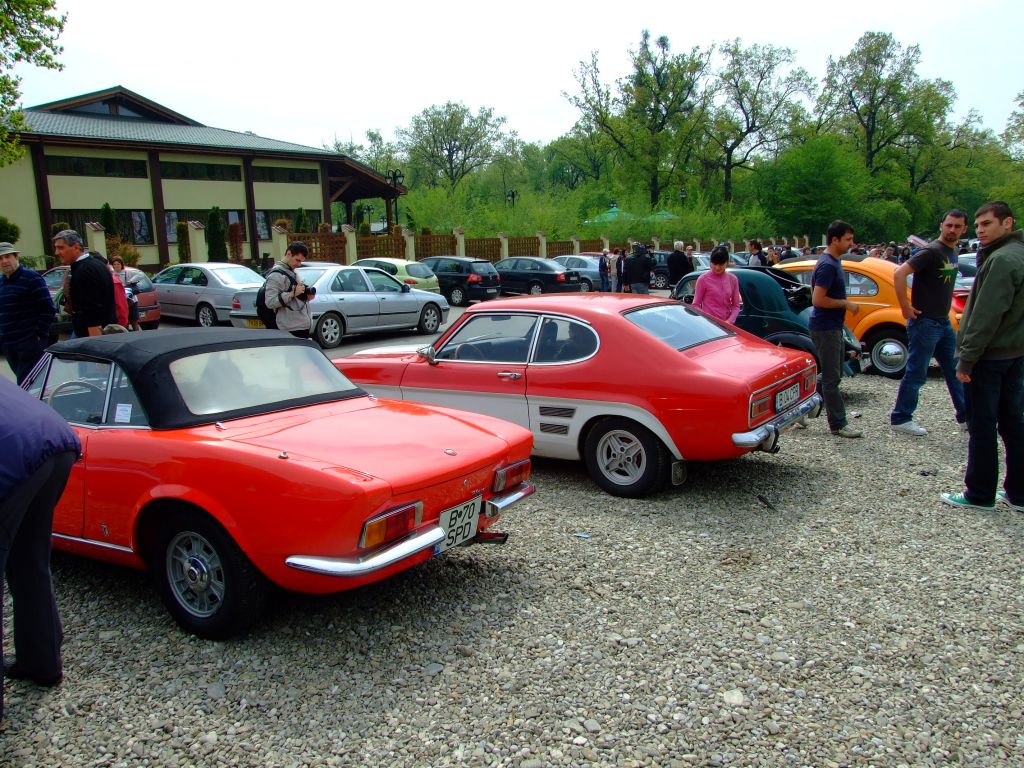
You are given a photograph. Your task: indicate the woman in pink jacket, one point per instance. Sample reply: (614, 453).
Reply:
(718, 292)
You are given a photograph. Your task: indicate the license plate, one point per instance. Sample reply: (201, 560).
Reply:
(255, 323)
(786, 398)
(491, 291)
(459, 524)
(573, 279)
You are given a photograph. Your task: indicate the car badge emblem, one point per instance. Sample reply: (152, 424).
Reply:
(451, 452)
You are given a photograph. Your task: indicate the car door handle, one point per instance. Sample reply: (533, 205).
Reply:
(509, 375)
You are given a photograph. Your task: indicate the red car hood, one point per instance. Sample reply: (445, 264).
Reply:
(741, 359)
(372, 437)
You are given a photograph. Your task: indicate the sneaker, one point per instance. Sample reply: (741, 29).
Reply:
(847, 431)
(910, 428)
(1002, 498)
(959, 500)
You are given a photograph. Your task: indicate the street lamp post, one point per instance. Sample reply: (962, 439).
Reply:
(395, 178)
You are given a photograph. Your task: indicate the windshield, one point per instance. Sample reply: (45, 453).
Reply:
(677, 325)
(238, 276)
(234, 379)
(310, 275)
(482, 268)
(419, 270)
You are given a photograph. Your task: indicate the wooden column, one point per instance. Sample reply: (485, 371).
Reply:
(156, 185)
(325, 190)
(250, 210)
(42, 196)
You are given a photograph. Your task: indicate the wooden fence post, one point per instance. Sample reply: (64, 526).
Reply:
(460, 241)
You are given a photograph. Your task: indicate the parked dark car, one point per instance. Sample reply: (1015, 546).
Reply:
(534, 275)
(464, 279)
(659, 274)
(775, 308)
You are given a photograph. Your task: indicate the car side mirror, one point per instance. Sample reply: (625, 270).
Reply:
(688, 298)
(428, 354)
(406, 287)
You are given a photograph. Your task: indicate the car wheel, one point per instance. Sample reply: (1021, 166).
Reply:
(329, 331)
(660, 281)
(586, 286)
(535, 289)
(151, 326)
(625, 458)
(888, 352)
(430, 319)
(457, 296)
(205, 316)
(207, 583)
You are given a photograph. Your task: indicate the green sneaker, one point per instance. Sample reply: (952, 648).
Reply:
(959, 500)
(1002, 498)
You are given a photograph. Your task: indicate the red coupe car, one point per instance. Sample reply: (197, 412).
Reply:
(633, 385)
(226, 461)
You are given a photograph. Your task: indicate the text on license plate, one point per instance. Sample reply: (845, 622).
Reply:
(255, 323)
(786, 397)
(459, 523)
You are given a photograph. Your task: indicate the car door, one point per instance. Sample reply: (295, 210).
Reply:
(398, 308)
(166, 283)
(351, 296)
(191, 289)
(513, 278)
(480, 368)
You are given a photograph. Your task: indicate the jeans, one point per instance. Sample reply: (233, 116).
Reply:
(605, 286)
(928, 338)
(995, 404)
(830, 356)
(23, 356)
(640, 288)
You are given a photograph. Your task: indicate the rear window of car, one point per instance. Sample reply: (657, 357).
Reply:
(677, 325)
(482, 268)
(419, 270)
(138, 280)
(238, 276)
(310, 275)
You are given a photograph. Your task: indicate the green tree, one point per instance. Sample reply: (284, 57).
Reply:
(447, 143)
(302, 221)
(755, 108)
(28, 33)
(9, 231)
(1014, 133)
(655, 117)
(216, 235)
(108, 220)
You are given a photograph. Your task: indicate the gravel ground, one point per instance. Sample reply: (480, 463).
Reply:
(818, 607)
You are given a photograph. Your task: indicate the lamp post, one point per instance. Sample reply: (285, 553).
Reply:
(682, 196)
(383, 224)
(511, 196)
(395, 178)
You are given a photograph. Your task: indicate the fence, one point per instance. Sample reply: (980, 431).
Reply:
(324, 246)
(560, 248)
(378, 247)
(523, 246)
(484, 248)
(435, 245)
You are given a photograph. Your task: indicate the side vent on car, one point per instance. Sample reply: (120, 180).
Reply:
(554, 429)
(558, 413)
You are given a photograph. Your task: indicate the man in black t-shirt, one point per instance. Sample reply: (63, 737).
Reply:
(929, 332)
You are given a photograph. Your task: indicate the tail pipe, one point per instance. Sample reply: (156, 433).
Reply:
(491, 537)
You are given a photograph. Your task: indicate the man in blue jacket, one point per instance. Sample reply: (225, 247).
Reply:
(39, 449)
(26, 312)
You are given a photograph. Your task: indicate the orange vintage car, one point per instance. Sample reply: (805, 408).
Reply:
(635, 386)
(226, 461)
(880, 325)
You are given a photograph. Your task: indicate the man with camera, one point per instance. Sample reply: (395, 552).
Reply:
(287, 295)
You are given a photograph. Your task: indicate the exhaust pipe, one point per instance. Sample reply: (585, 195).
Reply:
(490, 537)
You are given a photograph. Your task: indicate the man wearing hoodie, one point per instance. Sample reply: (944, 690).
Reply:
(287, 295)
(991, 367)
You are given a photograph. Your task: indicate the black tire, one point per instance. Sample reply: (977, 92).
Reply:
(206, 316)
(888, 350)
(535, 289)
(457, 296)
(430, 319)
(205, 580)
(660, 281)
(150, 326)
(625, 458)
(586, 286)
(330, 330)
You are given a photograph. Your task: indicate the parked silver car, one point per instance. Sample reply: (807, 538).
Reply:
(203, 292)
(354, 300)
(587, 266)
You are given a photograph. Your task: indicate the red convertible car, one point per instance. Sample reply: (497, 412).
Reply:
(633, 385)
(226, 462)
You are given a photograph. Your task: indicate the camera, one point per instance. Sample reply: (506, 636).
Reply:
(309, 293)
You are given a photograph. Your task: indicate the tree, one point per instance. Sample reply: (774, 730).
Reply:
(755, 107)
(108, 220)
(302, 221)
(1014, 133)
(445, 144)
(216, 235)
(654, 119)
(9, 231)
(28, 33)
(235, 240)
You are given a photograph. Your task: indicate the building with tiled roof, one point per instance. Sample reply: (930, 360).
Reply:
(156, 167)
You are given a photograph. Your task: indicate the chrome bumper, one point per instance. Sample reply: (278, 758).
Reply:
(766, 436)
(418, 541)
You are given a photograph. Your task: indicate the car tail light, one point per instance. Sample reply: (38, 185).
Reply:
(561, 277)
(235, 303)
(760, 407)
(391, 525)
(411, 281)
(810, 382)
(511, 476)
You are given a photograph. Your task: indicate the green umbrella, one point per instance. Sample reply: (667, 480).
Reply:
(613, 214)
(661, 216)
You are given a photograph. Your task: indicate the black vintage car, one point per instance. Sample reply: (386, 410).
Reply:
(775, 308)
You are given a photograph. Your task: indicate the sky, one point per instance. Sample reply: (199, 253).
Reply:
(310, 71)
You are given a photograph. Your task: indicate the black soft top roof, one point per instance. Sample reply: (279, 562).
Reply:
(146, 356)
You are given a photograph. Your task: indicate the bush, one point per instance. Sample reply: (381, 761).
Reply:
(324, 226)
(285, 224)
(59, 226)
(128, 253)
(235, 240)
(216, 235)
(302, 221)
(108, 220)
(364, 229)
(184, 246)
(9, 231)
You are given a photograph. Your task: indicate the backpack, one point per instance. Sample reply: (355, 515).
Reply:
(267, 315)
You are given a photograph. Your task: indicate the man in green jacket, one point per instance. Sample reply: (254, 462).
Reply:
(991, 346)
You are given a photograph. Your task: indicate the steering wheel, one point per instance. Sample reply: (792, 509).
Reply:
(468, 352)
(70, 384)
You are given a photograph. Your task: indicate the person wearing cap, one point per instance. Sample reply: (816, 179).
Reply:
(90, 285)
(26, 312)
